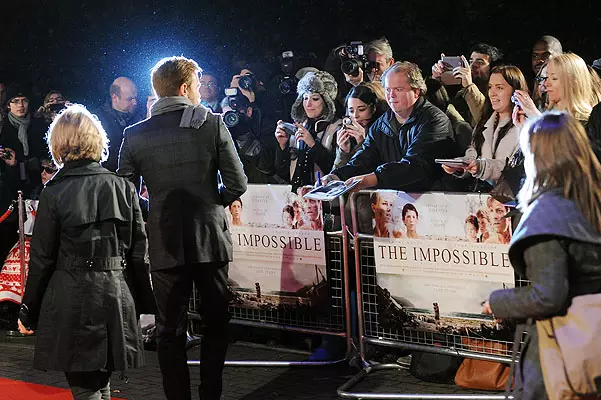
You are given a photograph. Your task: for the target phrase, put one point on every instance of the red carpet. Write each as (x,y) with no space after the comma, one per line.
(17,390)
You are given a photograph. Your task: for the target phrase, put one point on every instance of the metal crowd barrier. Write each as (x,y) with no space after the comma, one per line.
(369,331)
(336,321)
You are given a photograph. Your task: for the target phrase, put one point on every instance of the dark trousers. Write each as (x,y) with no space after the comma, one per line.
(172,289)
(94,385)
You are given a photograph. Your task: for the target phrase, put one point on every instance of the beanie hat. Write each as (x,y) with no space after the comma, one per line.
(319,82)
(15,90)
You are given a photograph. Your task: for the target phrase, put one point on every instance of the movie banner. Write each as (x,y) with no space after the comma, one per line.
(439,256)
(279,249)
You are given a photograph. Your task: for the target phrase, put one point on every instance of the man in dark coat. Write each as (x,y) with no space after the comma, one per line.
(400,148)
(117,116)
(188,160)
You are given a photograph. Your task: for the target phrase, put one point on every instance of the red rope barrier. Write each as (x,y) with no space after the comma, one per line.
(7,213)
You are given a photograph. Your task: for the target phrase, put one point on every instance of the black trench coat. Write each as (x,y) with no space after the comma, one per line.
(78,297)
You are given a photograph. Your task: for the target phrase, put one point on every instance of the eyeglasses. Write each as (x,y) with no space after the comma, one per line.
(19,101)
(48,170)
(209,85)
(540,79)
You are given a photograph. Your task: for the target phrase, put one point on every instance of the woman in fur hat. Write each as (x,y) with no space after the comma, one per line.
(312,147)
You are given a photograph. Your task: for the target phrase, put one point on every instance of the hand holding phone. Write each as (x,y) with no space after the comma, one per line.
(450,63)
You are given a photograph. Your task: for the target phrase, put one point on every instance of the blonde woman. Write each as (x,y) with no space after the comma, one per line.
(557,244)
(570,87)
(87,263)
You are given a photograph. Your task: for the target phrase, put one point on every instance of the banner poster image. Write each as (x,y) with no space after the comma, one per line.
(438,256)
(279,249)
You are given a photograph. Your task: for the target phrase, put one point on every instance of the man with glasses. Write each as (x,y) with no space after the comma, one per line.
(472,79)
(209,92)
(400,148)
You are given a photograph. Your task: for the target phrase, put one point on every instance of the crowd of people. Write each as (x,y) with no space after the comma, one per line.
(384,126)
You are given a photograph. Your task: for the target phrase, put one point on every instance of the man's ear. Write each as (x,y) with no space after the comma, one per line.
(249,112)
(183,90)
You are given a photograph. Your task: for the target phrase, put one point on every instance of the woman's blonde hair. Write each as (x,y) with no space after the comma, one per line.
(577,86)
(76,134)
(558,156)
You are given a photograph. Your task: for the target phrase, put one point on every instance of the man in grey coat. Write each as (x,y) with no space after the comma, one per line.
(188,161)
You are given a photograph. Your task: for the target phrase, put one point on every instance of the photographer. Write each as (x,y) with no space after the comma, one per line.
(53,103)
(374,58)
(311,146)
(470,78)
(281,89)
(256,158)
(364,104)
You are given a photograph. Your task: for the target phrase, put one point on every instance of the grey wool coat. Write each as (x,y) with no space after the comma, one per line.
(559,251)
(191,175)
(89,277)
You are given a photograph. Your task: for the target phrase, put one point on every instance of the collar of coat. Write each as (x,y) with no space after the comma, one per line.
(78,168)
(386,120)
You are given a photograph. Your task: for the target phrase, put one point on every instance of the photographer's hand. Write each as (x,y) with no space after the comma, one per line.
(12,160)
(464,73)
(281,136)
(354,80)
(303,134)
(343,140)
(356,131)
(250,95)
(438,68)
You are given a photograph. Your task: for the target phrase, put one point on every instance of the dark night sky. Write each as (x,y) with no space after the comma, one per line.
(80,46)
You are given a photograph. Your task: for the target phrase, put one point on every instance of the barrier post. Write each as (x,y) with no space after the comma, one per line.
(21,209)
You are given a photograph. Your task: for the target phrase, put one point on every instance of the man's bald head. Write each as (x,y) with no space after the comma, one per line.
(124,95)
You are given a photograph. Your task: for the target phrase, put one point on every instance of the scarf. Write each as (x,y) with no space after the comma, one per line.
(171,103)
(22,124)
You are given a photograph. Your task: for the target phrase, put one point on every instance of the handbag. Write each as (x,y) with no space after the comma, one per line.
(569,350)
(482,374)
(510,181)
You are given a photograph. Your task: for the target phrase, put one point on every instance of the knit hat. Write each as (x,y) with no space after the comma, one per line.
(319,82)
(16,90)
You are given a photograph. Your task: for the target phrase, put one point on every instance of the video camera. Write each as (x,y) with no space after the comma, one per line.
(239,106)
(354,59)
(288,82)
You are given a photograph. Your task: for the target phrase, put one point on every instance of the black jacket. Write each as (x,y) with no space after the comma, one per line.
(403,158)
(191,175)
(594,130)
(114,123)
(78,296)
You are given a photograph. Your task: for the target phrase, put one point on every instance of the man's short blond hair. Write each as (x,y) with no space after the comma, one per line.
(172,72)
(76,134)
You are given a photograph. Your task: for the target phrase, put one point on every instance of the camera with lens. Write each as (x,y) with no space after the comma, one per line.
(354,59)
(288,81)
(248,82)
(237,116)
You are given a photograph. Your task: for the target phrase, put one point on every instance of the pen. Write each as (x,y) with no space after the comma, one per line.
(318,183)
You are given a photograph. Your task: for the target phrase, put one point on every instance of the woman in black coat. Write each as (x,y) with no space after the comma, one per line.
(557,244)
(88,275)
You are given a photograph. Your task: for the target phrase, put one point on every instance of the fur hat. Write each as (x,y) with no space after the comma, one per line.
(316,82)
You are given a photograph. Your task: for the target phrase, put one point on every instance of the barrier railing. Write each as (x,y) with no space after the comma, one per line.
(335,321)
(370,331)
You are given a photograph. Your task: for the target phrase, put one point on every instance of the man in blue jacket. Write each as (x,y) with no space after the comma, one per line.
(400,148)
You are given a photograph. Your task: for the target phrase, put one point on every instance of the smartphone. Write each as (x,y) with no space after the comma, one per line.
(450,63)
(289,128)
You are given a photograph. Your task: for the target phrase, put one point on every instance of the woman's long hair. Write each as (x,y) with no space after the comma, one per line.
(558,156)
(578,90)
(514,77)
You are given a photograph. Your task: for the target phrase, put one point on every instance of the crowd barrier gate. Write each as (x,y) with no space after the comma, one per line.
(411,339)
(336,322)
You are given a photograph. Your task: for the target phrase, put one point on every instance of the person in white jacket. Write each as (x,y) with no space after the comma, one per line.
(495,138)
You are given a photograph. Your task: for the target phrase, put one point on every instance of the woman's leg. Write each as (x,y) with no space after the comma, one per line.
(94,385)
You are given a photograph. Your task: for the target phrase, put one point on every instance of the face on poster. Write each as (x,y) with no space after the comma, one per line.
(279,249)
